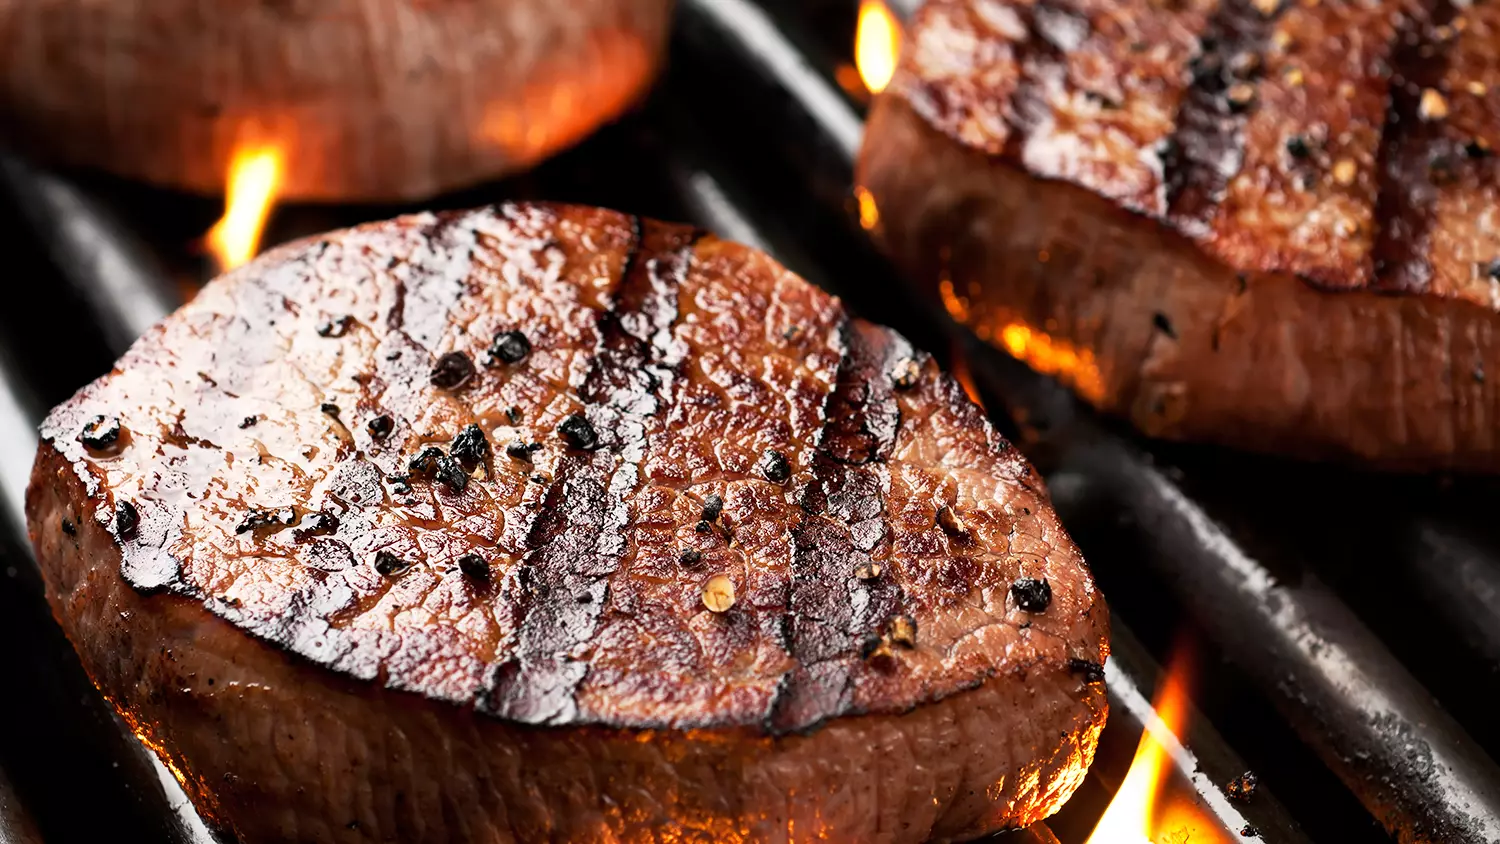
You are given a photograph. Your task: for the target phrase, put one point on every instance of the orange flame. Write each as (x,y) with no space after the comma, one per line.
(254,173)
(869,212)
(1053,356)
(1144,809)
(877,44)
(959,366)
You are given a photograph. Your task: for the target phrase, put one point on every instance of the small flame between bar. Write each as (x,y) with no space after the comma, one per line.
(254,174)
(877,44)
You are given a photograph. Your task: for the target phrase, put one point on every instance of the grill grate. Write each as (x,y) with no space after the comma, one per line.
(1309,665)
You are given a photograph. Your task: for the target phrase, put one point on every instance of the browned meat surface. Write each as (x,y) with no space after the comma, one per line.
(364,99)
(549,523)
(1264,224)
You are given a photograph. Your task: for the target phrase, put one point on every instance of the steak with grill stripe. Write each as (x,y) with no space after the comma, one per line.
(1262,224)
(551,523)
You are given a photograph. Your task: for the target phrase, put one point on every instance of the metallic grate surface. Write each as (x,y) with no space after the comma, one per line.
(1347,626)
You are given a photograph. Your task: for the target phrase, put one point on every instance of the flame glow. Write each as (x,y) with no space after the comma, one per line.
(869,212)
(959,366)
(877,44)
(254,174)
(1053,356)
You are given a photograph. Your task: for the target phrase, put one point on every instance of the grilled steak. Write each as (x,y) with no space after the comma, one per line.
(365,99)
(1261,223)
(550,523)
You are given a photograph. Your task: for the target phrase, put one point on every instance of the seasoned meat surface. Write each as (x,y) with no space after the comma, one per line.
(648,524)
(1260,223)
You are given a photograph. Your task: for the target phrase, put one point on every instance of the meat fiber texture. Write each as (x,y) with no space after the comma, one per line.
(1269,225)
(550,523)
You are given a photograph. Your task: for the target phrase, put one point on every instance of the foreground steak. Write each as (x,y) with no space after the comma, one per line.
(547,523)
(1257,223)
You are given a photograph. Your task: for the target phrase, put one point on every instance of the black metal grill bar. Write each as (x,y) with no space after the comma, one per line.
(1392,745)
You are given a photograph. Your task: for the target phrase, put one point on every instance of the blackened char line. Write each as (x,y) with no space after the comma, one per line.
(577,544)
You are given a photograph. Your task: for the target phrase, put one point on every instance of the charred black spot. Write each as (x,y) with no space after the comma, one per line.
(127,519)
(451,475)
(1242,788)
(1248,831)
(1164,325)
(381,426)
(690,558)
(474,567)
(335,327)
(470,446)
(703,527)
(320,523)
(101,433)
(68,527)
(258,519)
(774,466)
(425,463)
(713,505)
(579,432)
(509,347)
(1477,148)
(452,371)
(249,421)
(1091,672)
(389,564)
(1296,147)
(1032,594)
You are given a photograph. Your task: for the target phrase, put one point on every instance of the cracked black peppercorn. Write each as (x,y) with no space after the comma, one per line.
(452,371)
(470,446)
(68,527)
(381,426)
(249,421)
(1032,594)
(1091,672)
(579,432)
(474,567)
(257,519)
(518,450)
(774,466)
(713,505)
(100,433)
(389,564)
(509,347)
(425,463)
(689,558)
(127,519)
(451,475)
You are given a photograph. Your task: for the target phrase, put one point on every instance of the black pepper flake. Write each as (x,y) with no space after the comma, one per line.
(1032,594)
(470,446)
(335,327)
(1242,788)
(451,475)
(452,371)
(258,519)
(518,450)
(127,519)
(400,484)
(905,373)
(68,527)
(389,564)
(1296,147)
(774,466)
(579,432)
(474,567)
(1248,831)
(381,426)
(689,558)
(1477,149)
(249,422)
(703,526)
(320,523)
(1091,672)
(100,433)
(1161,323)
(538,479)
(585,597)
(329,408)
(509,347)
(713,505)
(425,463)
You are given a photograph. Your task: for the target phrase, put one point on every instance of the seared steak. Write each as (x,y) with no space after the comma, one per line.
(549,523)
(1261,223)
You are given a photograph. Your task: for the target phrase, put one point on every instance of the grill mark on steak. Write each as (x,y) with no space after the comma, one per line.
(830,611)
(579,541)
(1206,147)
(1052,28)
(1409,149)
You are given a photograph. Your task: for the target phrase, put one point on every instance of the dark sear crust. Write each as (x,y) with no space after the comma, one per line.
(869,571)
(1171,192)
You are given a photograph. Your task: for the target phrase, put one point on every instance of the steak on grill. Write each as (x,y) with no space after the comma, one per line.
(1259,223)
(550,523)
